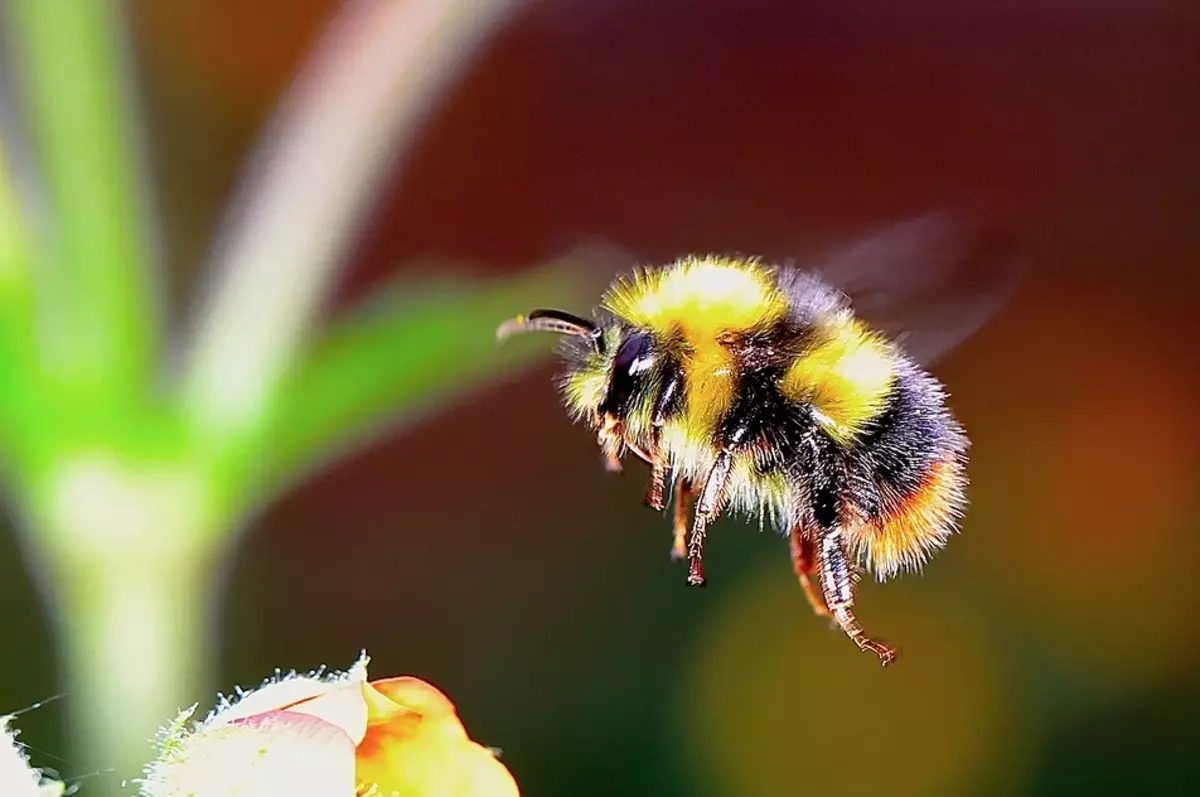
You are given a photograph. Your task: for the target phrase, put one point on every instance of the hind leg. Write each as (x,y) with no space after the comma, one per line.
(837,583)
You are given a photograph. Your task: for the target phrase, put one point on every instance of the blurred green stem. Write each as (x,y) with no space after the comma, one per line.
(17,351)
(401,351)
(360,101)
(96,277)
(130,569)
(14,255)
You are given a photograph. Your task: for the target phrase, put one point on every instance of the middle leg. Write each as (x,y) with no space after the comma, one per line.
(804,562)
(683,501)
(738,430)
(709,505)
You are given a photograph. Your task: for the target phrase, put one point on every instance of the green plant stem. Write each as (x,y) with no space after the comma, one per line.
(95,278)
(410,346)
(132,579)
(17,366)
(14,251)
(136,641)
(358,103)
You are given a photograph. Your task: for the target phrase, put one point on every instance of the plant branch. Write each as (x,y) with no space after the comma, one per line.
(122,547)
(408,348)
(370,84)
(18,365)
(95,276)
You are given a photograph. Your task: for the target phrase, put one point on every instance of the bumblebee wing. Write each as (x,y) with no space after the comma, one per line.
(929,283)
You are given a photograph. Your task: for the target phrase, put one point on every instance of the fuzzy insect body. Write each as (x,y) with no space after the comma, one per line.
(760,390)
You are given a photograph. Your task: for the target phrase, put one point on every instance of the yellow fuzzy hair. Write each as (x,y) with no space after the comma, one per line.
(701,299)
(846,376)
(905,537)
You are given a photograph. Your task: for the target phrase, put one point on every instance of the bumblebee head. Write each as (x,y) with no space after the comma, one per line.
(611,370)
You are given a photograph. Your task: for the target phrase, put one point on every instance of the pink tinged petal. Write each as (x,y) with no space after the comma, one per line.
(277,753)
(343,707)
(337,700)
(271,697)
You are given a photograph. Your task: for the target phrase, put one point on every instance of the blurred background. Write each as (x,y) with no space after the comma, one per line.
(1052,649)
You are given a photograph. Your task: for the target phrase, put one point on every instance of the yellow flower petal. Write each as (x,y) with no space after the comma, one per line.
(416,746)
(332,736)
(392,699)
(433,766)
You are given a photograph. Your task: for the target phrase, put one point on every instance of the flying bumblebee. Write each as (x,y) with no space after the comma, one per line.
(795,394)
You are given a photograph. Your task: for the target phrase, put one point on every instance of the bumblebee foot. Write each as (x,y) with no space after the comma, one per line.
(679,548)
(696,574)
(654,498)
(845,619)
(886,653)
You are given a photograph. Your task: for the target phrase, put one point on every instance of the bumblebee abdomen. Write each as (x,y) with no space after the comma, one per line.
(844,375)
(912,468)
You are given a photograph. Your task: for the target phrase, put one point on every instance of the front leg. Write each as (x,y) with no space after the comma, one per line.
(837,583)
(739,428)
(666,403)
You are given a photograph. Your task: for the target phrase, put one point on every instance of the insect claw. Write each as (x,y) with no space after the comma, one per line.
(887,654)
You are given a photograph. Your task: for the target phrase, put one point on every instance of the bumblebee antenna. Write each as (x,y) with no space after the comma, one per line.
(550,321)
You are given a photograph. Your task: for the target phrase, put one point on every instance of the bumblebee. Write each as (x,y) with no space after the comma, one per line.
(794,394)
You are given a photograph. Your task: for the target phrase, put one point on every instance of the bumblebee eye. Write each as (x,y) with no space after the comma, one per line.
(635,355)
(634,358)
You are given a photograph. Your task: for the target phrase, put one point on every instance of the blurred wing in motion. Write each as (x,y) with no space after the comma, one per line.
(928,283)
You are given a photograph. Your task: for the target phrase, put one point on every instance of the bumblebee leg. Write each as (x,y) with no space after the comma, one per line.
(740,427)
(667,403)
(610,435)
(683,500)
(712,499)
(837,581)
(658,475)
(804,562)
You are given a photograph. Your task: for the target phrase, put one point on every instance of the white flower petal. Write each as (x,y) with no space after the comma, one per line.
(17,779)
(278,753)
